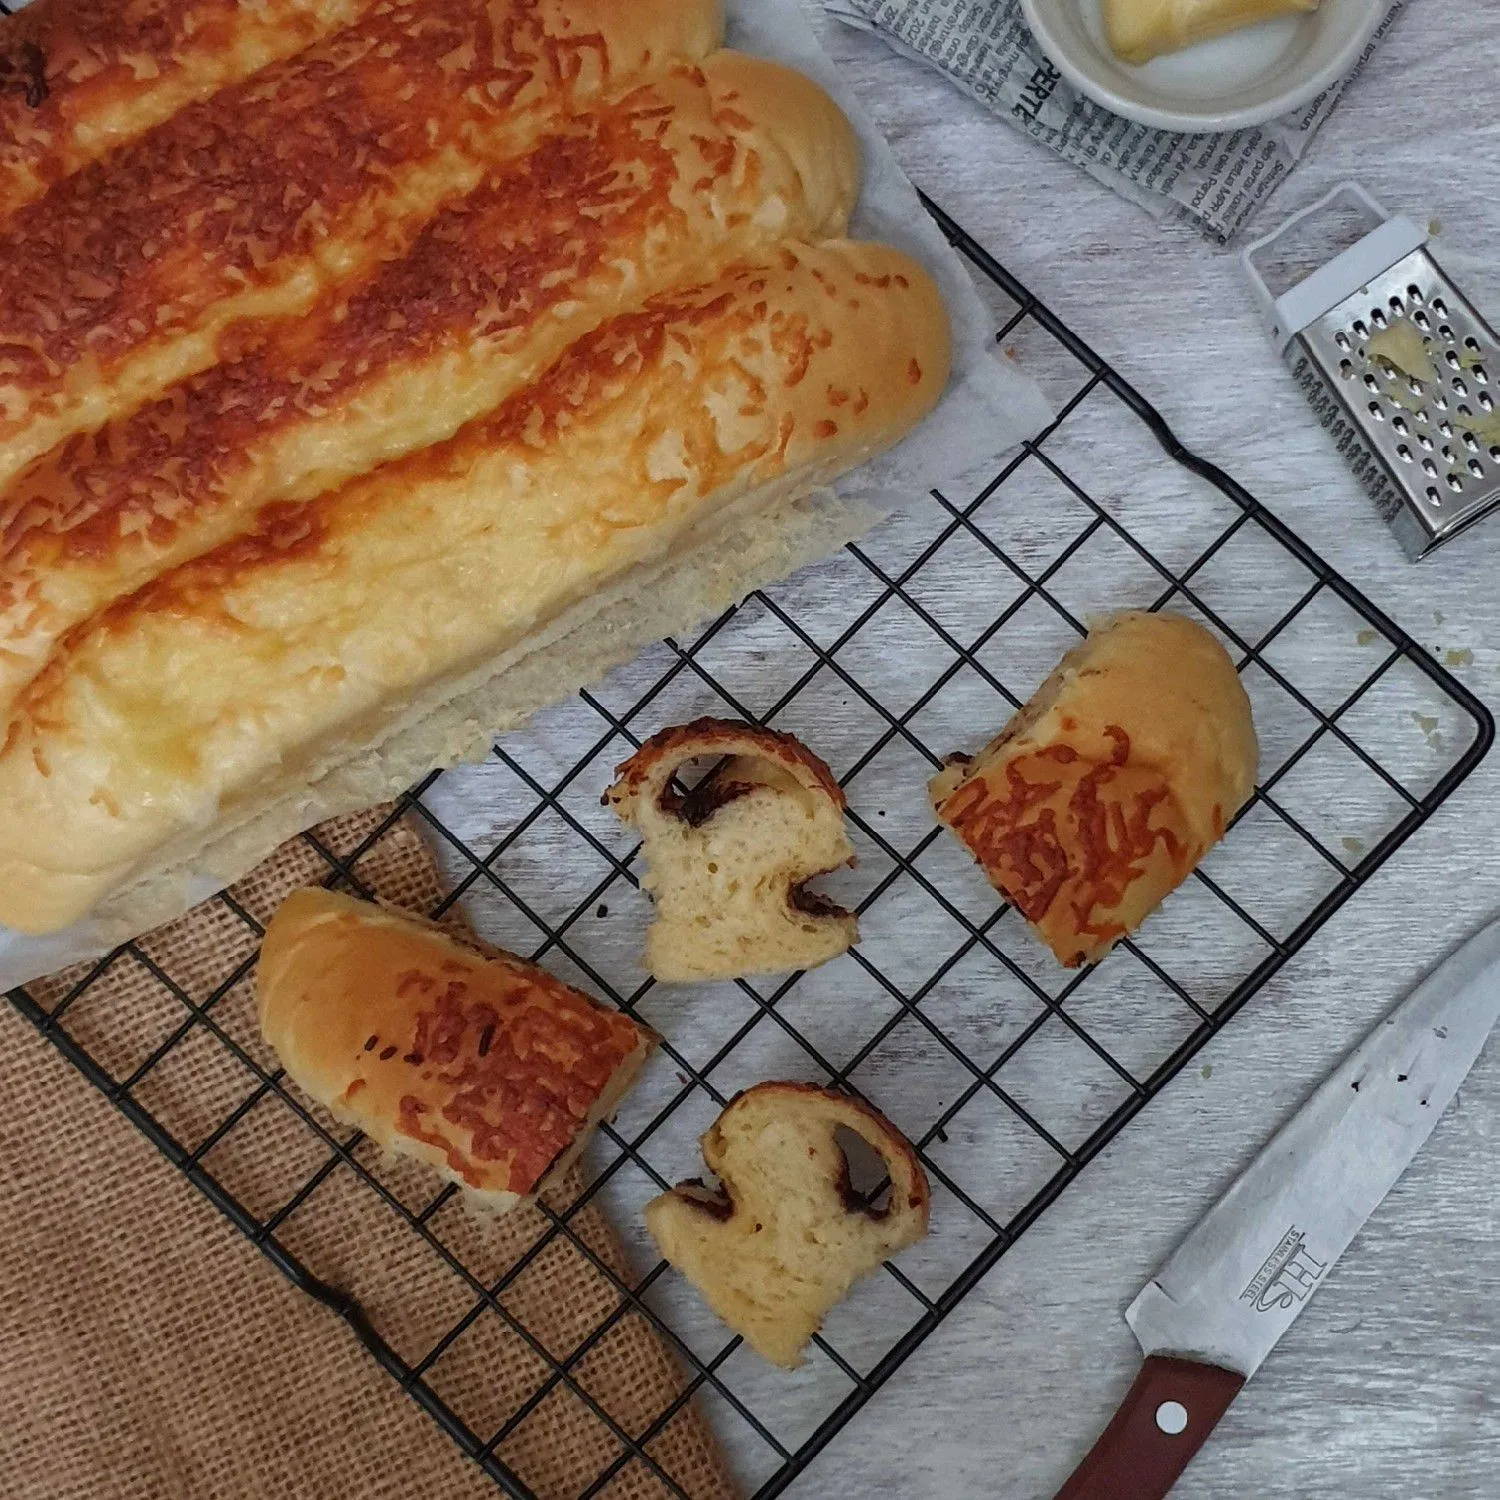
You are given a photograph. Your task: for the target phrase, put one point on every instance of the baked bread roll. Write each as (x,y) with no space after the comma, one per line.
(1139,30)
(783,1238)
(607,209)
(1102,794)
(730,859)
(120,280)
(490,1070)
(81,78)
(337,623)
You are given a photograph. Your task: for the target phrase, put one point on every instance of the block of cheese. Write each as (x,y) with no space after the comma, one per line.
(237,679)
(608,208)
(1105,791)
(489,1069)
(1139,30)
(120,279)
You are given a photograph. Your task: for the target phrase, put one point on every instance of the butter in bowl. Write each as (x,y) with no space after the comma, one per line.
(1201,66)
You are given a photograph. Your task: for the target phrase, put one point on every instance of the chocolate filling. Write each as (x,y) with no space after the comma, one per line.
(715,1202)
(811,903)
(697,806)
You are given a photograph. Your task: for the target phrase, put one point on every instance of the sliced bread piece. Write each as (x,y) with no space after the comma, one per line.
(729,860)
(785,1236)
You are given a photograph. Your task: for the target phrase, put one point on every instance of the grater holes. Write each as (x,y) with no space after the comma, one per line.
(1404,453)
(1446,334)
(1433,496)
(1455,483)
(1486,401)
(1377,318)
(1346,369)
(1476,468)
(1377,411)
(1342,340)
(1451,359)
(1471,344)
(1460,385)
(1415,293)
(1439,307)
(1471,442)
(1495,452)
(1425,441)
(1361,329)
(1398,306)
(1429,468)
(1371,384)
(1480,374)
(1422,321)
(1399,425)
(1449,456)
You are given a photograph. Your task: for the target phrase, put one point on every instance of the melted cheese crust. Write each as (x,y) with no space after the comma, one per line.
(369,368)
(489,1069)
(607,209)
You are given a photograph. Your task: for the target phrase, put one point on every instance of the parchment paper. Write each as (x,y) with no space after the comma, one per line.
(990,404)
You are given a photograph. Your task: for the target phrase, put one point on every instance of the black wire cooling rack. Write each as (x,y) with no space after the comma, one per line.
(1008,1074)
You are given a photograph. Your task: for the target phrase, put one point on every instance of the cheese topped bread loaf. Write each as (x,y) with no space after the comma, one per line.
(494,313)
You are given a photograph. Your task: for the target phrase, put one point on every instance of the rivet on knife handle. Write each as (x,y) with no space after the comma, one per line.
(1164,1420)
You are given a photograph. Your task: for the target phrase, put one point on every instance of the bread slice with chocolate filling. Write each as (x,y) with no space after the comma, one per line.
(729,860)
(785,1236)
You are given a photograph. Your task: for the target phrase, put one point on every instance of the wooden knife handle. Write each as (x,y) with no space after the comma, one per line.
(1140,1456)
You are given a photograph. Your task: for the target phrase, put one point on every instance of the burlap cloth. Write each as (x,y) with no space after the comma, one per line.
(148,1351)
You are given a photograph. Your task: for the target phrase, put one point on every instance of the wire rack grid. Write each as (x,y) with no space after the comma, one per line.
(1008,1074)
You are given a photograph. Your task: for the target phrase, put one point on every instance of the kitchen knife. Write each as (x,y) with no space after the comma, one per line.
(1210,1317)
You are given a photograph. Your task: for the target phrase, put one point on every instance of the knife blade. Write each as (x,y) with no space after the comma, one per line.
(1210,1317)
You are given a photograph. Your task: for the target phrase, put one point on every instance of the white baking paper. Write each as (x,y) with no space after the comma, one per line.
(990,405)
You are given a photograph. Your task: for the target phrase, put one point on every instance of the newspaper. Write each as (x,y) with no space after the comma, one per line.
(1216,182)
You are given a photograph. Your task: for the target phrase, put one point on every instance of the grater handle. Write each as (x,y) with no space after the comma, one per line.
(1286,316)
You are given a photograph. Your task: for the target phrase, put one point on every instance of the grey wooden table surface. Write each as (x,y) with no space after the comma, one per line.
(1386,1388)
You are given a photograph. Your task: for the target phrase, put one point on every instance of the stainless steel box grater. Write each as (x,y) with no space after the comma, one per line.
(1401,369)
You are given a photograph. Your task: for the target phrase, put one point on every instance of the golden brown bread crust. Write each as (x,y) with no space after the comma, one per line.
(1103,794)
(668,748)
(608,208)
(491,1070)
(80,77)
(119,280)
(281,653)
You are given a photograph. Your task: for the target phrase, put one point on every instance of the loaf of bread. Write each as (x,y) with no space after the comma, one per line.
(517,351)
(1104,792)
(1139,30)
(80,77)
(121,279)
(490,1069)
(783,1237)
(730,859)
(608,208)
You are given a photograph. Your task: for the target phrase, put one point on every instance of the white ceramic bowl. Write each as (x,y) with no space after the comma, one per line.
(1245,78)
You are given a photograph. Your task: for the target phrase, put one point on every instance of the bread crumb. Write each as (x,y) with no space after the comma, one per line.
(1427,725)
(1354,846)
(602,912)
(1208,1070)
(1460,658)
(1366,637)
